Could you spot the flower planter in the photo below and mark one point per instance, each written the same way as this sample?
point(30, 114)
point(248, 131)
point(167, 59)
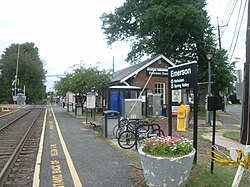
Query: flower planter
point(166, 171)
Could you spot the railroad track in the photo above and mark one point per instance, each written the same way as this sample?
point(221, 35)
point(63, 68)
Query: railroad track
point(19, 139)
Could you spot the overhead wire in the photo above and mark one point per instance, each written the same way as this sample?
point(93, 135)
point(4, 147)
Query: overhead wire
point(235, 28)
point(239, 27)
point(212, 8)
point(228, 14)
point(227, 10)
point(173, 34)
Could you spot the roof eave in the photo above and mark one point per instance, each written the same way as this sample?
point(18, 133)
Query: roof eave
point(146, 65)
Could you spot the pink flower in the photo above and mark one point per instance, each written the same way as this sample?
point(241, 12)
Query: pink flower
point(168, 144)
point(171, 146)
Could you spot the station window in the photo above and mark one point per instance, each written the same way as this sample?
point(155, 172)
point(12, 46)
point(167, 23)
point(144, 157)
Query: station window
point(160, 89)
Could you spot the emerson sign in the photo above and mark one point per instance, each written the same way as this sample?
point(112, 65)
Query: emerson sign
point(182, 76)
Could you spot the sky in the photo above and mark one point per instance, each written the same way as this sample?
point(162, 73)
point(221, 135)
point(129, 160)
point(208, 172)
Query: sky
point(218, 10)
point(69, 32)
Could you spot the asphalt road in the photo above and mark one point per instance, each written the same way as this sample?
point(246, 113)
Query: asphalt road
point(235, 111)
point(231, 117)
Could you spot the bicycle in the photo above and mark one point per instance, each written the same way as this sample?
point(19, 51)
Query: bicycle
point(128, 138)
point(126, 124)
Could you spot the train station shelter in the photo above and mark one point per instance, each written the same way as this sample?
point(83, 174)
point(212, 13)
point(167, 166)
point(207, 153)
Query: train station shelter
point(141, 79)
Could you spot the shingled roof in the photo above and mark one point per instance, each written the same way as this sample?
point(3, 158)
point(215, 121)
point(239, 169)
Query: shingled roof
point(124, 74)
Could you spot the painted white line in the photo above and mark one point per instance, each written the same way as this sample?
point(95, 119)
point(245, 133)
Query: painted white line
point(36, 177)
point(71, 166)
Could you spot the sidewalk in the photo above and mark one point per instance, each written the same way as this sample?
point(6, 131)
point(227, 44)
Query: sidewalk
point(95, 161)
point(229, 124)
point(224, 122)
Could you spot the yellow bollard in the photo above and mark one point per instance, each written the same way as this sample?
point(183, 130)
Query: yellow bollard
point(181, 117)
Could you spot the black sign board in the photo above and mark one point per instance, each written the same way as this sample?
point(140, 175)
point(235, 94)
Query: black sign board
point(182, 76)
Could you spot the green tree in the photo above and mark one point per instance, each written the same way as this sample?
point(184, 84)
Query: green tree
point(82, 80)
point(223, 73)
point(178, 29)
point(64, 85)
point(30, 72)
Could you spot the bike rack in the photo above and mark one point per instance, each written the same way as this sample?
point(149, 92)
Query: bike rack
point(144, 125)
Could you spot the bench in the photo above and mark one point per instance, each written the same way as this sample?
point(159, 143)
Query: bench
point(95, 124)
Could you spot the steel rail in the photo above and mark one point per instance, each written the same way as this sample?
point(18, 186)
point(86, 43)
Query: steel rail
point(8, 113)
point(12, 121)
point(10, 163)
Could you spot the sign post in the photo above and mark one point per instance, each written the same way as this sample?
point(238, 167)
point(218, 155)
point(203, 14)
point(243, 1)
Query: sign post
point(183, 76)
point(91, 101)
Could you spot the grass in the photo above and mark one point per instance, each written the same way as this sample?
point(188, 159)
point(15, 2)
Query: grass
point(222, 175)
point(201, 171)
point(202, 114)
point(200, 175)
point(232, 135)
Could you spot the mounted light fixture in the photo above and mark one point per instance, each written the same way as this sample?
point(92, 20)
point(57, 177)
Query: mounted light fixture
point(209, 55)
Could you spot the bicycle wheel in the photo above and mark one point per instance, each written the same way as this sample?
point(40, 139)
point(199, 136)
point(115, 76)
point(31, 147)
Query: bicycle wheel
point(119, 131)
point(159, 132)
point(125, 127)
point(116, 130)
point(126, 139)
point(142, 134)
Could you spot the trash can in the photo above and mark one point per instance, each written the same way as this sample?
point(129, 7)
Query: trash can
point(78, 109)
point(111, 118)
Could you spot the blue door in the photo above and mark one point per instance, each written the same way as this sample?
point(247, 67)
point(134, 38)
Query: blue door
point(116, 101)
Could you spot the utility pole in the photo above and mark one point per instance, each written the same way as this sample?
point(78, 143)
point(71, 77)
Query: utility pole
point(17, 61)
point(219, 38)
point(245, 117)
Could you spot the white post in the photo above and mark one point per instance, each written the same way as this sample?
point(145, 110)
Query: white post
point(240, 169)
point(17, 61)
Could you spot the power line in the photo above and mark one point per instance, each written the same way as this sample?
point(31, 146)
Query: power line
point(227, 10)
point(239, 27)
point(228, 15)
point(235, 28)
point(173, 34)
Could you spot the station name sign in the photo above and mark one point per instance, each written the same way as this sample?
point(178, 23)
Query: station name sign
point(157, 71)
point(183, 76)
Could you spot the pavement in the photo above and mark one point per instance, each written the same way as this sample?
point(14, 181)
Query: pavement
point(74, 156)
point(225, 122)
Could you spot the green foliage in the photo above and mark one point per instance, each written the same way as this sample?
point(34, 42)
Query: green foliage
point(82, 80)
point(222, 176)
point(222, 73)
point(30, 72)
point(167, 146)
point(178, 29)
point(232, 135)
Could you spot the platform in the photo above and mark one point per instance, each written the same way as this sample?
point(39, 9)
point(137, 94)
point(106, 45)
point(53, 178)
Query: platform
point(72, 155)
